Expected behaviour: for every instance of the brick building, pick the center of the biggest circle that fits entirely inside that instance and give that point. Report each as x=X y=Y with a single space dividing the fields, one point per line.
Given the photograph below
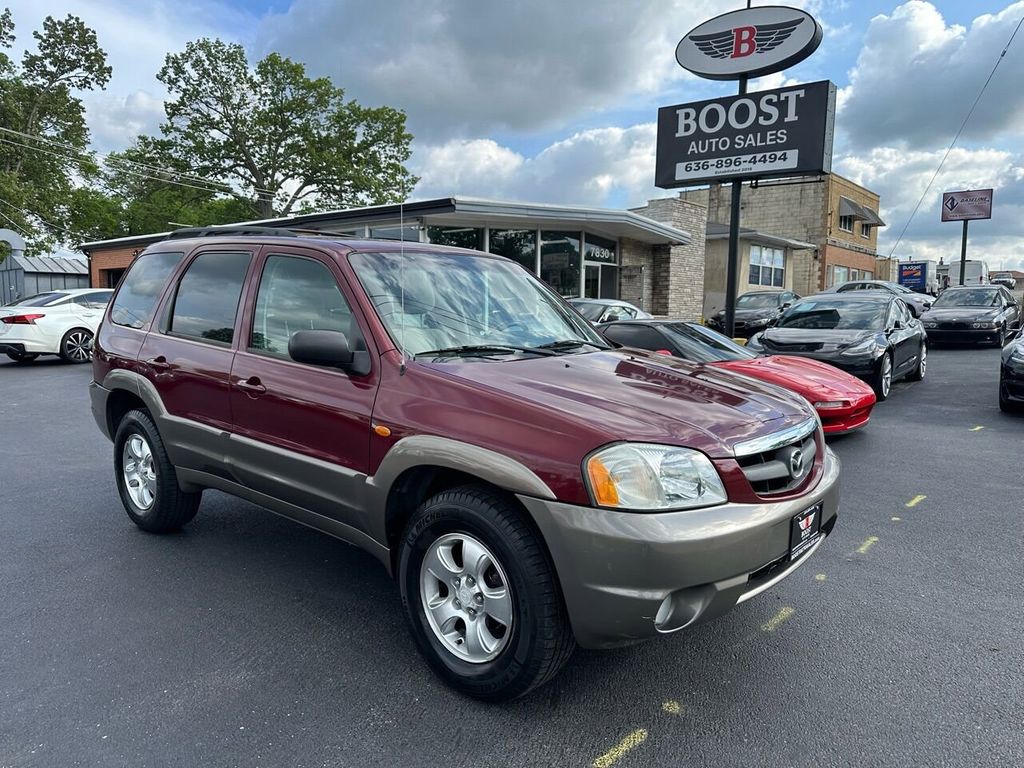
x=653 y=256
x=834 y=215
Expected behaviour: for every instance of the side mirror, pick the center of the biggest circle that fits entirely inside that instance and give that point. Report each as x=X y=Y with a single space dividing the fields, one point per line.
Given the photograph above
x=786 y=305
x=326 y=348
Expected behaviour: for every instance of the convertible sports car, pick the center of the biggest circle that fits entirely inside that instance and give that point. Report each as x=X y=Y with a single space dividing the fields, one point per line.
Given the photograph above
x=842 y=401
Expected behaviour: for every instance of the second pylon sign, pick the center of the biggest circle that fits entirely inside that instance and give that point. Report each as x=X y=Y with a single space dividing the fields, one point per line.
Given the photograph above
x=782 y=132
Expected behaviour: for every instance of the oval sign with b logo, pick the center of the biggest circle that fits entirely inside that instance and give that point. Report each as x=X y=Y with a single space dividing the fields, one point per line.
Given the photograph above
x=749 y=43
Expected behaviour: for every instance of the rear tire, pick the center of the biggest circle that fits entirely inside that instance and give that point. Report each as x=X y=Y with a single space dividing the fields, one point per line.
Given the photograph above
x=881 y=382
x=76 y=346
x=146 y=480
x=457 y=621
x=922 y=364
x=23 y=357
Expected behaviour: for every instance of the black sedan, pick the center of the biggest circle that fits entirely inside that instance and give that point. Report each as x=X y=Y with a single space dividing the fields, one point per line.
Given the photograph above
x=1011 y=377
x=972 y=313
x=870 y=334
x=755 y=311
x=918 y=302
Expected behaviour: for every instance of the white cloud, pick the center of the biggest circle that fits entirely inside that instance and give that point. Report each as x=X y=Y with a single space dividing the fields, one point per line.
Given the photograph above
x=598 y=167
x=916 y=77
x=900 y=177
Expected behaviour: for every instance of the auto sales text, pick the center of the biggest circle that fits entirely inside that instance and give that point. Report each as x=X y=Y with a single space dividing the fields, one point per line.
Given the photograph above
x=769 y=110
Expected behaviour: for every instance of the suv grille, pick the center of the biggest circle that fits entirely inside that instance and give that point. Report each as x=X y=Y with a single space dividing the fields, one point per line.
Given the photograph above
x=779 y=463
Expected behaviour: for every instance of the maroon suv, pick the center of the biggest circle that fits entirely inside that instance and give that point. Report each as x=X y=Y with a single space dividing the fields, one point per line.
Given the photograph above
x=529 y=487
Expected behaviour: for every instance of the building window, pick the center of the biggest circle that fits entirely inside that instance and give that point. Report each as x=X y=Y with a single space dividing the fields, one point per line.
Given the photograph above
x=560 y=262
x=846 y=223
x=516 y=244
x=855 y=274
x=767 y=266
x=392 y=232
x=867 y=275
x=457 y=237
x=865 y=230
x=840 y=275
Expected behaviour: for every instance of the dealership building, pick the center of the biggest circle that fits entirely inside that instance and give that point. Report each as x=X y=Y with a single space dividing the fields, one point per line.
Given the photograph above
x=651 y=256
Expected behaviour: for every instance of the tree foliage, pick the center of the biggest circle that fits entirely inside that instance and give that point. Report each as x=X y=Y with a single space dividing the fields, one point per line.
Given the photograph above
x=285 y=141
x=45 y=146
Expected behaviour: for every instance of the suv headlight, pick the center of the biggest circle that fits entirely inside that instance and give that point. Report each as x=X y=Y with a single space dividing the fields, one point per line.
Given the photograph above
x=642 y=476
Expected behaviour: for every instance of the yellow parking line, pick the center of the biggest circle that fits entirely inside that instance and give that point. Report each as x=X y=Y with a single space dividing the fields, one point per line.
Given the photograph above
x=671 y=707
x=821 y=577
x=869 y=542
x=916 y=500
x=773 y=623
x=896 y=519
x=977 y=429
x=609 y=758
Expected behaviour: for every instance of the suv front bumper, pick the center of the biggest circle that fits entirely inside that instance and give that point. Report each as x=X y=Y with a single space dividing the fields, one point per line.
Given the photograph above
x=628 y=576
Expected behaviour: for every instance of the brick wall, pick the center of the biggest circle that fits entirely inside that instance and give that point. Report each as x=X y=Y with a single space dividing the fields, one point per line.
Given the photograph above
x=636 y=288
x=109 y=258
x=678 y=273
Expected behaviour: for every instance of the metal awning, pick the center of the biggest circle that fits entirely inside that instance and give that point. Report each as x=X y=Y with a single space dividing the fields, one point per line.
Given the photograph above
x=859 y=212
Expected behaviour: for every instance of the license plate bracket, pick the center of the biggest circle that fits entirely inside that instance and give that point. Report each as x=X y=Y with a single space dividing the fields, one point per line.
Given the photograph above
x=804 y=531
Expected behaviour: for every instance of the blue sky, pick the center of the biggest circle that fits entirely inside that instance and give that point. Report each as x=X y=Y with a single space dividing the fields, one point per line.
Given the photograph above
x=555 y=102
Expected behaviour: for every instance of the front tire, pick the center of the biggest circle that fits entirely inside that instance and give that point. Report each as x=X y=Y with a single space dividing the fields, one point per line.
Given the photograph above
x=881 y=382
x=146 y=480
x=76 y=346
x=481 y=596
x=1001 y=338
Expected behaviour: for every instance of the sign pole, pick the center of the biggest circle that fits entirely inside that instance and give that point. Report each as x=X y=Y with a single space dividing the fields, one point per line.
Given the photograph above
x=733 y=263
x=963 y=254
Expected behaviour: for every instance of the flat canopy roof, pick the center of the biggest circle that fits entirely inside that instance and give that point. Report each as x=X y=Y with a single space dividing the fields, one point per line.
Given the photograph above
x=465 y=211
x=718 y=231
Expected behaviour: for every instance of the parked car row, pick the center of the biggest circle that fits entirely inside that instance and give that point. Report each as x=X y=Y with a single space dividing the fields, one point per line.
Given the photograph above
x=53 y=323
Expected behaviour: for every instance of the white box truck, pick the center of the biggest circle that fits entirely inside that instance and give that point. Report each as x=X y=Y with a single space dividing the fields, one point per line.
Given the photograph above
x=976 y=272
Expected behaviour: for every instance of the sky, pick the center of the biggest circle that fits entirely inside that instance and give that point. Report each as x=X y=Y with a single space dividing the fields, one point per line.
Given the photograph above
x=556 y=102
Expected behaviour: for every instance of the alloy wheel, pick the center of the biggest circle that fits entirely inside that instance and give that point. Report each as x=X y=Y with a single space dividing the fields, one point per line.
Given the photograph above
x=78 y=346
x=886 y=375
x=466 y=597
x=139 y=473
x=924 y=360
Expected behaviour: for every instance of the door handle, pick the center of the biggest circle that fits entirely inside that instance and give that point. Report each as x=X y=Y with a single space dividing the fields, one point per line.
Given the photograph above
x=158 y=363
x=251 y=386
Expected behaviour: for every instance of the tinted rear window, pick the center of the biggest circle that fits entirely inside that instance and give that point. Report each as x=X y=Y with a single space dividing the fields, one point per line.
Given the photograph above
x=208 y=295
x=141 y=288
x=39 y=300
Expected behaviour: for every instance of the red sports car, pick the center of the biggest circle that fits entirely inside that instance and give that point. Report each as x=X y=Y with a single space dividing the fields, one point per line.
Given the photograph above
x=843 y=402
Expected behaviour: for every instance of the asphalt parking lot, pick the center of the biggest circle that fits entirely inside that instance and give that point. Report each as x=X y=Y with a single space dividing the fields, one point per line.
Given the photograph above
x=248 y=640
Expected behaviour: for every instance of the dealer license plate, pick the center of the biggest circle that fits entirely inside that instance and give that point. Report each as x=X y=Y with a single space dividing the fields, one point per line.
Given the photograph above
x=804 y=532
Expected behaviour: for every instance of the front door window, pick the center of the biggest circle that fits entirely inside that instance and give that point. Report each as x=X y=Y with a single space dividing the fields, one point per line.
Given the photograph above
x=591 y=281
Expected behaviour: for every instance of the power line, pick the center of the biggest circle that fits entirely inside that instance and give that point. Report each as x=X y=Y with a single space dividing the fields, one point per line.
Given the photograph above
x=31 y=215
x=955 y=138
x=14 y=224
x=123 y=170
x=105 y=158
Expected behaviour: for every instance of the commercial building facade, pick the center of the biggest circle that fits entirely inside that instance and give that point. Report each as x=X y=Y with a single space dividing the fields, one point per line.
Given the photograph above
x=652 y=257
x=833 y=214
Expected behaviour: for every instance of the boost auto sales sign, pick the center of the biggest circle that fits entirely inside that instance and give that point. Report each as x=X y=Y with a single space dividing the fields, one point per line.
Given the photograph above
x=782 y=132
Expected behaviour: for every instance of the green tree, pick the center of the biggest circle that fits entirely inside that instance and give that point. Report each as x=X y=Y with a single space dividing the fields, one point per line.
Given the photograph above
x=285 y=141
x=43 y=136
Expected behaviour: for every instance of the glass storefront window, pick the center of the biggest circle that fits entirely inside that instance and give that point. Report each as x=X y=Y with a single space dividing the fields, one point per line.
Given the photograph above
x=599 y=249
x=560 y=261
x=516 y=244
x=457 y=237
x=408 y=233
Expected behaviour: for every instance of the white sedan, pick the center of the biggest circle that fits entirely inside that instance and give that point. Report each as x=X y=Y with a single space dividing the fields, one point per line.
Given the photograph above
x=53 y=323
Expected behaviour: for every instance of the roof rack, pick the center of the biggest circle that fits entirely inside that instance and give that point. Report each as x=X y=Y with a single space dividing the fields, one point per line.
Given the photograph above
x=230 y=231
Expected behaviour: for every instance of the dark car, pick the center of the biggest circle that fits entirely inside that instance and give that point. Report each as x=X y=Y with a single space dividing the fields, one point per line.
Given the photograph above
x=842 y=401
x=973 y=313
x=870 y=334
x=755 y=311
x=529 y=487
x=1011 y=376
x=918 y=302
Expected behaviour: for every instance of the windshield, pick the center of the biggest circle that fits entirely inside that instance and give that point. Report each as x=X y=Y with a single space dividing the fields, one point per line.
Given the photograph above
x=444 y=301
x=757 y=301
x=589 y=309
x=702 y=345
x=829 y=315
x=972 y=297
x=39 y=300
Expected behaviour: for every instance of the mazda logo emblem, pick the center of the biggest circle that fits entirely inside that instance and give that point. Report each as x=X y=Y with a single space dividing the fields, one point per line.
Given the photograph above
x=796 y=463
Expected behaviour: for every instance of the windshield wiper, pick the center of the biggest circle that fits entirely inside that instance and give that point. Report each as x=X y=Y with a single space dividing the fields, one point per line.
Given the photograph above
x=481 y=350
x=569 y=344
